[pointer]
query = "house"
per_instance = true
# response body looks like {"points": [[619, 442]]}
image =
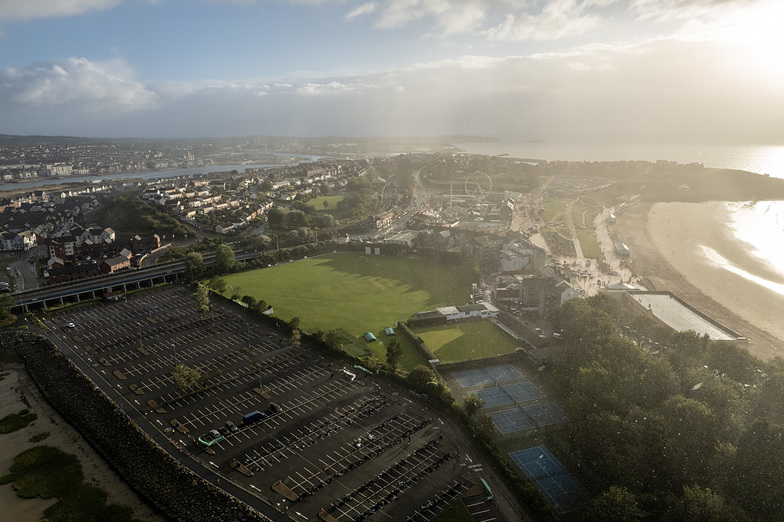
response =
{"points": [[63, 247], [74, 272], [471, 311], [567, 291], [115, 264], [24, 240], [522, 256]]}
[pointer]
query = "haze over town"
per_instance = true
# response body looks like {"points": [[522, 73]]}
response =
{"points": [[645, 69]]}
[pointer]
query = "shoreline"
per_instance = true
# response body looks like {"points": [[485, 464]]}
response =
{"points": [[97, 472], [663, 239]]}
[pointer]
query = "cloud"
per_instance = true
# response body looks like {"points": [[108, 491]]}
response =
{"points": [[662, 87], [363, 9], [29, 9], [498, 20], [77, 83], [318, 89], [684, 9], [558, 19]]}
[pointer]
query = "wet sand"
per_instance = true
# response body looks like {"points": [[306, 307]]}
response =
{"points": [[665, 241], [61, 435]]}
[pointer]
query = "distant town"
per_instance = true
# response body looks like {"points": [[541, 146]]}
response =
{"points": [[493, 209]]}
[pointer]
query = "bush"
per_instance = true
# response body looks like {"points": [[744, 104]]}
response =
{"points": [[16, 421]]}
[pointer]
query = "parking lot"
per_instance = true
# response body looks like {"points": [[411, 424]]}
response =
{"points": [[342, 445]]}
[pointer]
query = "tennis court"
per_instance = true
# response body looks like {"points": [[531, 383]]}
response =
{"points": [[550, 478], [527, 417], [489, 375], [509, 394]]}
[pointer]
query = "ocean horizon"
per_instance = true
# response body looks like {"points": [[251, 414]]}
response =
{"points": [[761, 159]]}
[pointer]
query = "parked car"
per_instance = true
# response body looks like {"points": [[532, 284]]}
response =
{"points": [[224, 431], [232, 427]]}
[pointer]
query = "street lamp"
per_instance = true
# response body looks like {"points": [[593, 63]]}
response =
{"points": [[174, 349], [141, 339]]}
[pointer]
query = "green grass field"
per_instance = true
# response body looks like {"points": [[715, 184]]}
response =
{"points": [[356, 293], [588, 243], [552, 207], [467, 341], [332, 203]]}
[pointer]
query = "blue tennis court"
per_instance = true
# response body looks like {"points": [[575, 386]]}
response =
{"points": [[527, 417], [550, 478], [509, 394], [490, 375]]}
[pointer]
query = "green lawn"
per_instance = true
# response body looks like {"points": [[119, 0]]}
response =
{"points": [[332, 203], [551, 207], [588, 243], [467, 341], [356, 293]]}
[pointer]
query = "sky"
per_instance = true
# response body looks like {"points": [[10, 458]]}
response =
{"points": [[512, 69]]}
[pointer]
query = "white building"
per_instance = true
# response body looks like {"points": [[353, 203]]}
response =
{"points": [[479, 310]]}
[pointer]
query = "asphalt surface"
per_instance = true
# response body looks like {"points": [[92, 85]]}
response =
{"points": [[344, 441]]}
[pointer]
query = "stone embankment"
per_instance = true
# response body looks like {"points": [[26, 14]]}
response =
{"points": [[162, 479]]}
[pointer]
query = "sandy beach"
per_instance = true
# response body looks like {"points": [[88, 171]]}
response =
{"points": [[13, 387], [666, 242]]}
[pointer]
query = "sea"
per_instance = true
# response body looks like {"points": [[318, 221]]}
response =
{"points": [[756, 228]]}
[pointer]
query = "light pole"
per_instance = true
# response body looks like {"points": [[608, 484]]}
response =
{"points": [[174, 349], [141, 339]]}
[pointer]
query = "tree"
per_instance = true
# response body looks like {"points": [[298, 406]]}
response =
{"points": [[294, 323], [472, 403], [275, 216], [703, 505], [485, 429], [294, 219], [419, 377], [249, 300], [333, 339], [296, 338], [394, 352], [6, 303], [194, 266], [260, 306], [616, 504], [224, 259], [202, 298], [218, 284], [185, 377], [326, 204]]}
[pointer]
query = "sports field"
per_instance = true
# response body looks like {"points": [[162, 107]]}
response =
{"points": [[356, 293], [467, 341]]}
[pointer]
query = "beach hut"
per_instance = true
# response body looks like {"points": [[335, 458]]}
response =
{"points": [[369, 337], [389, 331]]}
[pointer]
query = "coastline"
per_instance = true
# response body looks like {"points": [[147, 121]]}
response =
{"points": [[665, 239], [13, 387]]}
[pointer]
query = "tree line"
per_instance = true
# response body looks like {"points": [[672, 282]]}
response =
{"points": [[669, 425]]}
